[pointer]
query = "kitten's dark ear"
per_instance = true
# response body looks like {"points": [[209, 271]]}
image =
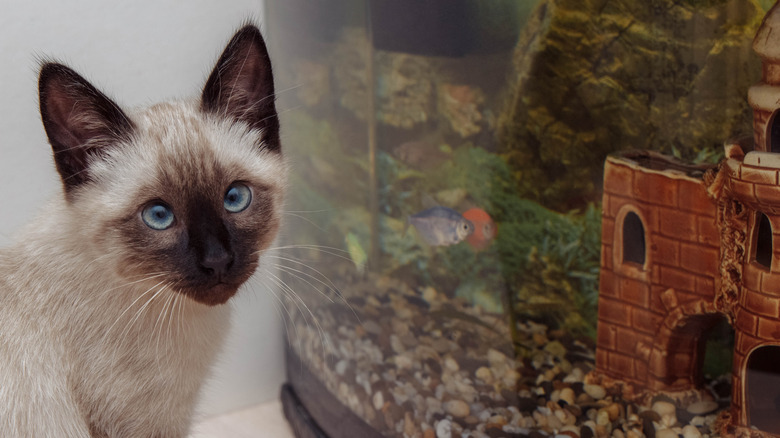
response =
{"points": [[242, 87], [79, 121]]}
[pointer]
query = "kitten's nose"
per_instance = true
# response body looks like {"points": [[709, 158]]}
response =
{"points": [[216, 259]]}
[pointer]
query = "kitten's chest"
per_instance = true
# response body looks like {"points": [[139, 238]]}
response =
{"points": [[149, 366]]}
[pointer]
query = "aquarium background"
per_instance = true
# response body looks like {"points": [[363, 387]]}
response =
{"points": [[507, 108]]}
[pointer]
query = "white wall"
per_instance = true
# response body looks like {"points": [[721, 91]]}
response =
{"points": [[137, 52]]}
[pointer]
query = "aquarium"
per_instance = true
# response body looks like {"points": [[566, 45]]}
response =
{"points": [[514, 218]]}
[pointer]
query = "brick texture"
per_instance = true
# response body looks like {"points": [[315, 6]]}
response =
{"points": [[651, 318], [681, 240]]}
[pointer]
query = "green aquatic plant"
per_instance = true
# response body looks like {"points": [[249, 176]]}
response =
{"points": [[551, 263], [481, 173], [703, 156]]}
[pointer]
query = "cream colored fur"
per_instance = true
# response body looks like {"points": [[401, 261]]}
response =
{"points": [[84, 338]]}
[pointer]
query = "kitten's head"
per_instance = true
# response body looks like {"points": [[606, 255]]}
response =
{"points": [[182, 194]]}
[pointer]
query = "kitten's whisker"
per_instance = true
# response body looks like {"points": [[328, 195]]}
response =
{"points": [[329, 283], [130, 307], [290, 269], [321, 248], [298, 262], [148, 277], [284, 313], [142, 309], [330, 250], [161, 318], [166, 308], [179, 327], [279, 282], [311, 222], [96, 259], [322, 210], [281, 310], [122, 338], [294, 272]]}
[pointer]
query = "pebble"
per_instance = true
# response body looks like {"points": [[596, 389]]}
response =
{"points": [[586, 431], [602, 418], [444, 429], [556, 349], [667, 411], [539, 339], [496, 357], [554, 422], [396, 344], [457, 408], [664, 408], [341, 367], [703, 407], [484, 374], [372, 327], [510, 378], [597, 392], [497, 421], [614, 411], [698, 421], [665, 433], [566, 417], [429, 294], [378, 400], [574, 376], [404, 361], [451, 364], [690, 431], [410, 429]]}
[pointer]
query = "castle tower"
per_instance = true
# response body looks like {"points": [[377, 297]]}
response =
{"points": [[750, 254]]}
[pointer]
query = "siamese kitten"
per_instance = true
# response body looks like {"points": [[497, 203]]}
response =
{"points": [[113, 302]]}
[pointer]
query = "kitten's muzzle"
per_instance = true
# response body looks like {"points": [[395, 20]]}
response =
{"points": [[216, 260]]}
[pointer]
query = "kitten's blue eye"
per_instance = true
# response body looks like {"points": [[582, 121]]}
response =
{"points": [[237, 198], [157, 216]]}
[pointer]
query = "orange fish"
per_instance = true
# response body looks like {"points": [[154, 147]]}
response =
{"points": [[484, 228]]}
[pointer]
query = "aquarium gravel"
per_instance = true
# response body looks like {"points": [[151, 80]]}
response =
{"points": [[417, 363]]}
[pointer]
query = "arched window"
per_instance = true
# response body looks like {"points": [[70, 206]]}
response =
{"points": [[633, 239], [773, 133], [763, 246]]}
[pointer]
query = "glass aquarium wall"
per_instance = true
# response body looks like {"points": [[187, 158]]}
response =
{"points": [[490, 202]]}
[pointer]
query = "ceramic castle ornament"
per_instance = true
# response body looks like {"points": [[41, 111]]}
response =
{"points": [[684, 247]]}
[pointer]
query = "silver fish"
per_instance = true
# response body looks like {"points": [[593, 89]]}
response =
{"points": [[441, 226]]}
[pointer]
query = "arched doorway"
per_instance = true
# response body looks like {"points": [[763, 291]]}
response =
{"points": [[762, 389], [677, 357]]}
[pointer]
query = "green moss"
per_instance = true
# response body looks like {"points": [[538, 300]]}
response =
{"points": [[592, 78]]}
